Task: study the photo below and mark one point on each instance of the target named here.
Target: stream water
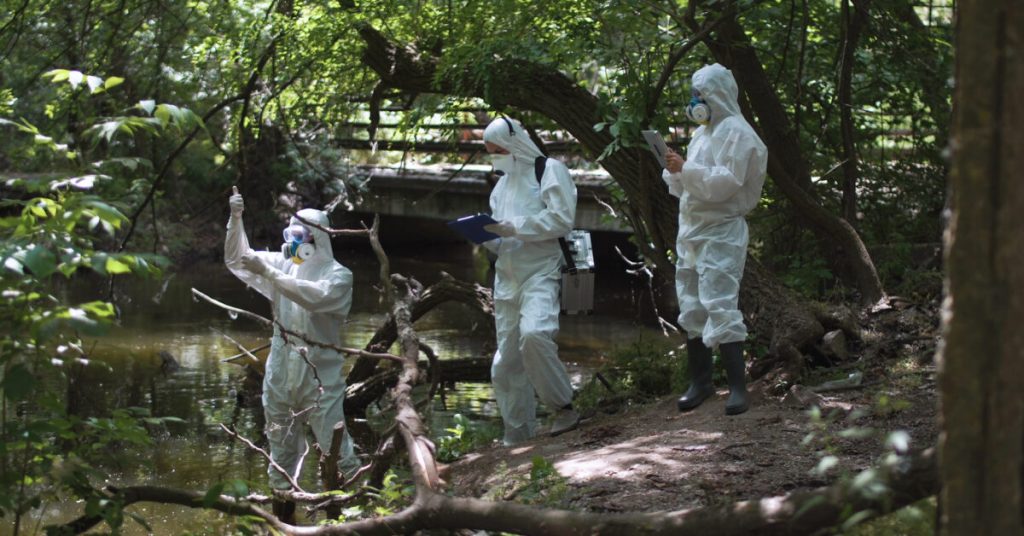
(161, 316)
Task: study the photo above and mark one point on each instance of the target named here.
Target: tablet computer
(657, 145)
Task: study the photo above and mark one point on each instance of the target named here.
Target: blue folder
(472, 227)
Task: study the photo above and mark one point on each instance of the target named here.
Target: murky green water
(162, 316)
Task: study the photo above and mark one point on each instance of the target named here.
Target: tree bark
(849, 258)
(543, 89)
(853, 26)
(447, 289)
(980, 367)
(359, 395)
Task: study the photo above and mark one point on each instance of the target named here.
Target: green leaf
(857, 518)
(75, 78)
(99, 309)
(826, 463)
(95, 83)
(236, 488)
(148, 105)
(213, 494)
(57, 75)
(41, 261)
(18, 382)
(115, 266)
(14, 265)
(165, 112)
(78, 319)
(113, 81)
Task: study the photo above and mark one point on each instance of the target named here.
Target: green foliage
(640, 371)
(917, 519)
(397, 491)
(464, 436)
(828, 436)
(543, 486)
(54, 227)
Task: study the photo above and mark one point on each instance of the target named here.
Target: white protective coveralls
(719, 184)
(312, 299)
(527, 280)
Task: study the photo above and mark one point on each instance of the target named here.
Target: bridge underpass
(416, 202)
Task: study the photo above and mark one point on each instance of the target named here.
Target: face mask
(297, 245)
(698, 110)
(503, 162)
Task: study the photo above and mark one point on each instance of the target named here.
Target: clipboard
(657, 145)
(472, 227)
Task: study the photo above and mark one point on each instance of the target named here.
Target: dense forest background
(127, 122)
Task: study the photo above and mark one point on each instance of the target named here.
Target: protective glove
(503, 229)
(674, 162)
(236, 203)
(254, 264)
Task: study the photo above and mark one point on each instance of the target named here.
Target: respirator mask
(503, 162)
(698, 110)
(298, 244)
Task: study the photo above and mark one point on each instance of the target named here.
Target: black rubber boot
(732, 359)
(284, 510)
(698, 358)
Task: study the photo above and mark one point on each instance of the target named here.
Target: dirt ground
(652, 457)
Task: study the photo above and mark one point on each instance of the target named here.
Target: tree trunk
(853, 26)
(980, 365)
(545, 90)
(848, 256)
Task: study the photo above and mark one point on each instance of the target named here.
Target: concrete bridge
(430, 193)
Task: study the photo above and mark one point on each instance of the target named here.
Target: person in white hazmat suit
(310, 294)
(717, 185)
(531, 217)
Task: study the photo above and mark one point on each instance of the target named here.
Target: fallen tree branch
(246, 353)
(446, 289)
(797, 514)
(278, 468)
(285, 332)
(240, 346)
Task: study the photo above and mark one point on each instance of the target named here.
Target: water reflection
(161, 316)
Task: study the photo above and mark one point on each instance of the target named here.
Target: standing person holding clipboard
(530, 216)
(717, 186)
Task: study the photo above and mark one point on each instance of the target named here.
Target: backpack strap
(539, 165)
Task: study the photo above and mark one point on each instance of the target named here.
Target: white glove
(236, 203)
(503, 229)
(254, 264)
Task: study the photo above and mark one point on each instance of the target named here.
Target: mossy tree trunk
(981, 365)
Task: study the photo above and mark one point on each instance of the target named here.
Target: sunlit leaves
(127, 125)
(95, 84)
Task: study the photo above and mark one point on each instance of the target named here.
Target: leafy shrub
(464, 436)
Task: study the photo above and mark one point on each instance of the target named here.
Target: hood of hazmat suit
(312, 300)
(541, 212)
(720, 182)
(725, 161)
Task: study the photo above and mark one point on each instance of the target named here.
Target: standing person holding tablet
(531, 216)
(717, 186)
